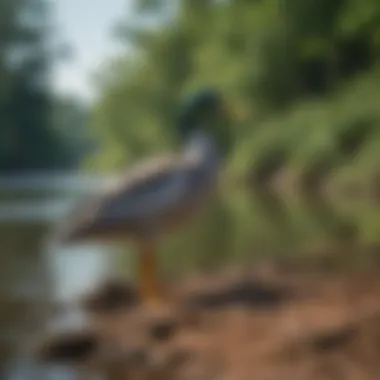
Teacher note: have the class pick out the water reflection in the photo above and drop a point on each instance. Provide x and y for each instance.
(23, 285)
(34, 276)
(238, 225)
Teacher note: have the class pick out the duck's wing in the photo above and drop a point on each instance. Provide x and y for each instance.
(147, 189)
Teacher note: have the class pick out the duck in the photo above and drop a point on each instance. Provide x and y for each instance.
(157, 195)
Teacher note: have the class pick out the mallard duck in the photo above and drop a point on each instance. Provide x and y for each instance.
(156, 195)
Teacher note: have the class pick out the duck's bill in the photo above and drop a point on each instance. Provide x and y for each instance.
(236, 112)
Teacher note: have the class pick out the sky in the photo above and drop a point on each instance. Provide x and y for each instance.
(86, 26)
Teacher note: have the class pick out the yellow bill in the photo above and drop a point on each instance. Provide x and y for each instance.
(237, 111)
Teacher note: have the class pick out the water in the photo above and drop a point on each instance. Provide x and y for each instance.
(33, 274)
(237, 226)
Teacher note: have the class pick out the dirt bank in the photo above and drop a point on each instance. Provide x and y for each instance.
(272, 322)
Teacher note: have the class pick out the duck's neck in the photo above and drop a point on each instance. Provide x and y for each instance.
(201, 146)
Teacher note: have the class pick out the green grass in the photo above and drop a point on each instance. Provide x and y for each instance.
(337, 136)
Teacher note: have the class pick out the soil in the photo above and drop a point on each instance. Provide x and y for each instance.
(272, 322)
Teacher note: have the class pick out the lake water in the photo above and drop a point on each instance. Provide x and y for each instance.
(34, 274)
(237, 226)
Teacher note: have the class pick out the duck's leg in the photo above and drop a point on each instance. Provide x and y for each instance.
(150, 286)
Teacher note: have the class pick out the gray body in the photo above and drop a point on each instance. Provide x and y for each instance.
(150, 199)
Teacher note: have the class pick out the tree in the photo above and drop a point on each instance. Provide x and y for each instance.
(268, 54)
(27, 139)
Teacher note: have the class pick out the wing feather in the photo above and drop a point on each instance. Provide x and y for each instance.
(145, 189)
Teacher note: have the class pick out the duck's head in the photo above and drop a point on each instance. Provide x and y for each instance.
(207, 110)
(202, 110)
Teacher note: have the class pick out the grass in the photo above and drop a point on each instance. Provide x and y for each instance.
(335, 138)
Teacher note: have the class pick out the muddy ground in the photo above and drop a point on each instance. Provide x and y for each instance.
(271, 322)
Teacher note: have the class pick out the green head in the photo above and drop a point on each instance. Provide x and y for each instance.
(205, 110)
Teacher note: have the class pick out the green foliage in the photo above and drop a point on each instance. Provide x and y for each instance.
(318, 136)
(306, 69)
(29, 139)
